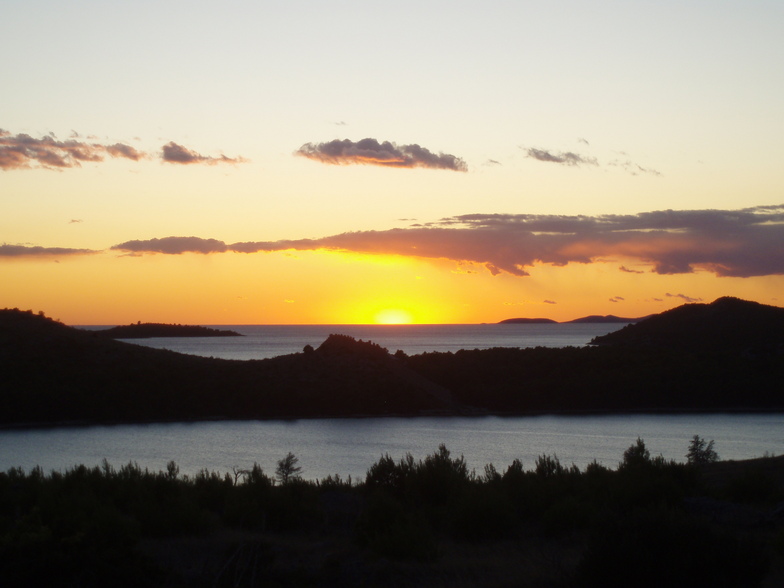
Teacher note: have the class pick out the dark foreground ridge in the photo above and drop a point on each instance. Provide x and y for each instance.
(725, 356)
(432, 522)
(148, 330)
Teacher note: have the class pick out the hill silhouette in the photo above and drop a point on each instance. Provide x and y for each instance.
(728, 324)
(718, 357)
(52, 373)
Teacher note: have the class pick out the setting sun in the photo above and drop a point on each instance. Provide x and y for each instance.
(393, 316)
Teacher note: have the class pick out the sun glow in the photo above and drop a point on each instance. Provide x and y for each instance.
(393, 316)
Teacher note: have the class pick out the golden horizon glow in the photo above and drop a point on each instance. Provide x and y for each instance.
(393, 316)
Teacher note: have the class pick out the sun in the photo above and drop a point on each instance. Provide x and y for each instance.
(393, 316)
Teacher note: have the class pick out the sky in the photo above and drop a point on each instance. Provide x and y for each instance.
(270, 162)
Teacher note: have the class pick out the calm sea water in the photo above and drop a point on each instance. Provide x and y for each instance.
(264, 341)
(350, 446)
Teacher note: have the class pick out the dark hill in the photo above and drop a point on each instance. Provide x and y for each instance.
(717, 357)
(52, 373)
(149, 330)
(727, 324)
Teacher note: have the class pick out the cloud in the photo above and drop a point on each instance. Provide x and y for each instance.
(617, 299)
(22, 151)
(126, 151)
(683, 297)
(566, 158)
(633, 168)
(7, 250)
(739, 243)
(623, 268)
(727, 243)
(173, 246)
(174, 153)
(570, 158)
(371, 152)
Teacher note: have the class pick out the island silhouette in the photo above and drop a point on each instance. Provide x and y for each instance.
(142, 330)
(723, 356)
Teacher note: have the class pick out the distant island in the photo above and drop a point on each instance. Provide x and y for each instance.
(149, 330)
(723, 356)
(594, 318)
(528, 321)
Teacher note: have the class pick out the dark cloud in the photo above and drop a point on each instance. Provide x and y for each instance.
(7, 250)
(173, 246)
(22, 151)
(174, 153)
(617, 299)
(549, 302)
(371, 152)
(565, 158)
(623, 268)
(737, 243)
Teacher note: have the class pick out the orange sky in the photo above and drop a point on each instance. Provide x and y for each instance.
(293, 163)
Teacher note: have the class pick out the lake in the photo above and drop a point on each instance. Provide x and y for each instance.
(351, 446)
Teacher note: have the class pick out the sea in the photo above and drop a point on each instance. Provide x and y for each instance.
(348, 447)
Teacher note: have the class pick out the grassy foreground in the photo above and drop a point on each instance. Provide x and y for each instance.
(431, 522)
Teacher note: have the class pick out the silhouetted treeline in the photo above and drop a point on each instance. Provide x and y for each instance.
(429, 522)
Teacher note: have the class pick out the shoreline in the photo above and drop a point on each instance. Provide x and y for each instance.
(428, 414)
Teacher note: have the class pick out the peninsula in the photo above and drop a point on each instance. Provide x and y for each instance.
(149, 330)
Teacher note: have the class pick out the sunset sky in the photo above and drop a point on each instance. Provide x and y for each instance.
(270, 162)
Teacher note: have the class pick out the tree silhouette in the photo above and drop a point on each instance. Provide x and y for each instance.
(700, 451)
(288, 469)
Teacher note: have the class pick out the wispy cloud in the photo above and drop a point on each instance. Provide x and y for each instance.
(174, 153)
(737, 243)
(564, 158)
(683, 297)
(633, 168)
(371, 152)
(7, 250)
(572, 159)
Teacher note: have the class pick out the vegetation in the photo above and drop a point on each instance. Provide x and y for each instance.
(429, 522)
(701, 452)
